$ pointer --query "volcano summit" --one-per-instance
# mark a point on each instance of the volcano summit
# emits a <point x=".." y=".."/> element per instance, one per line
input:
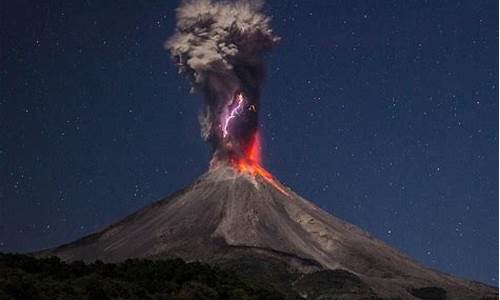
<point x="243" y="221"/>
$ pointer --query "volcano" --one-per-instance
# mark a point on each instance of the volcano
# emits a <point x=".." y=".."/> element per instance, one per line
<point x="245" y="221"/>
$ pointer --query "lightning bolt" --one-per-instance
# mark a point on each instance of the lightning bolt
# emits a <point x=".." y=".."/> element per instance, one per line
<point x="234" y="112"/>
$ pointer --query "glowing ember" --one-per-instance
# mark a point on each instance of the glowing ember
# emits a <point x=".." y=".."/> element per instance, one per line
<point x="251" y="163"/>
<point x="234" y="112"/>
<point x="254" y="152"/>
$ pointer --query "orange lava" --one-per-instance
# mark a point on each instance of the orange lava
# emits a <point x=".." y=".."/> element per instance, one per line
<point x="251" y="164"/>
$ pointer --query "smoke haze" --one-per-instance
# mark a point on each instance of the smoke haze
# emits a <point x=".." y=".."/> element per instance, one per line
<point x="219" y="45"/>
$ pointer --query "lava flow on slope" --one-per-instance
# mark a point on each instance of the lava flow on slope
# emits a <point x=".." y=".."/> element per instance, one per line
<point x="251" y="163"/>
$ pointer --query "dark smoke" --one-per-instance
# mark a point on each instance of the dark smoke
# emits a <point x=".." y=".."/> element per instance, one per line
<point x="220" y="46"/>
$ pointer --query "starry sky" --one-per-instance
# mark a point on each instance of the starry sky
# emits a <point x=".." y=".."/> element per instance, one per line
<point x="384" y="113"/>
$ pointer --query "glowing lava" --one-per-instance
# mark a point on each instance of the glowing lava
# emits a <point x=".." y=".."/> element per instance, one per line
<point x="251" y="164"/>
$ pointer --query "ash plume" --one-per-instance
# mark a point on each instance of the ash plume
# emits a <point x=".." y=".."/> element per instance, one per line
<point x="220" y="45"/>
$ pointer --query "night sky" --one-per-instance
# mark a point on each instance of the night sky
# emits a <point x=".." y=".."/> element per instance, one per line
<point x="384" y="113"/>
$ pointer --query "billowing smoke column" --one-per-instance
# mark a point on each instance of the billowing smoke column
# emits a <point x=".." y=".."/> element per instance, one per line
<point x="220" y="46"/>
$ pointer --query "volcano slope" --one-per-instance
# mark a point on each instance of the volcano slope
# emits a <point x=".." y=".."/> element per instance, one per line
<point x="247" y="223"/>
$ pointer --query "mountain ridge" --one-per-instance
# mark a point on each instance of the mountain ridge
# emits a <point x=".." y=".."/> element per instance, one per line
<point x="226" y="215"/>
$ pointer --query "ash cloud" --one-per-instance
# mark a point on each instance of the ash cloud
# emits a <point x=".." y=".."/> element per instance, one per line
<point x="220" y="45"/>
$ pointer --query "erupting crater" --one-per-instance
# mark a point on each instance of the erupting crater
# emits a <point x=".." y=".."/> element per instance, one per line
<point x="243" y="151"/>
<point x="251" y="163"/>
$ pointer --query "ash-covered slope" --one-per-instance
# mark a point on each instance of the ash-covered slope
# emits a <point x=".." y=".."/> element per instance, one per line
<point x="226" y="216"/>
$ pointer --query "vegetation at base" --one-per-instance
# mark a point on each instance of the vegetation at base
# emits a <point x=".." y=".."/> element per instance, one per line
<point x="26" y="277"/>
